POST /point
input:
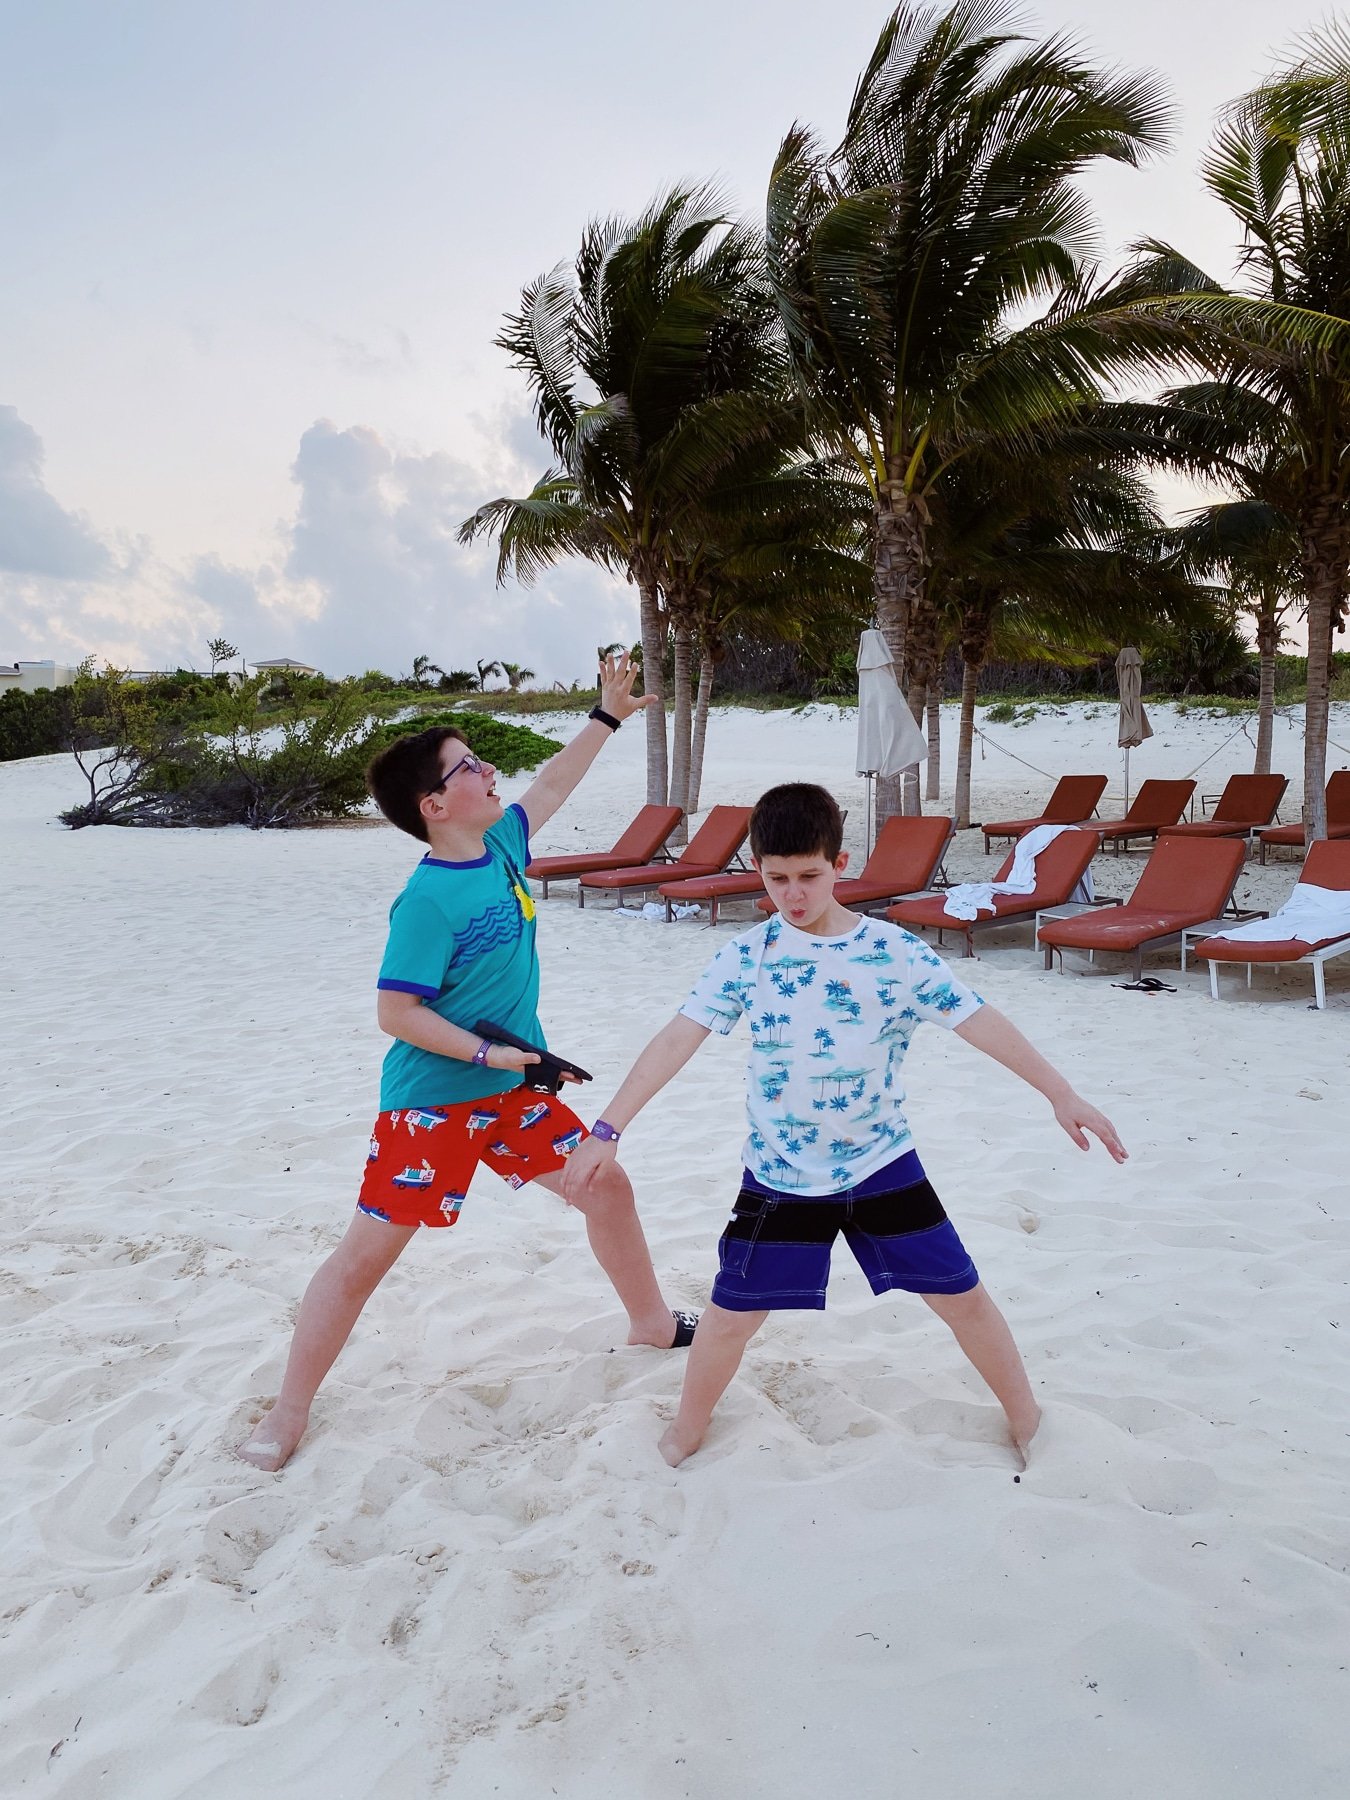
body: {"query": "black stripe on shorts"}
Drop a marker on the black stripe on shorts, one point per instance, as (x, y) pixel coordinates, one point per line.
(819, 1218)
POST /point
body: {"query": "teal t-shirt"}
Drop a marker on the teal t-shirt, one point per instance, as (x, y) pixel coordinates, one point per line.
(462, 936)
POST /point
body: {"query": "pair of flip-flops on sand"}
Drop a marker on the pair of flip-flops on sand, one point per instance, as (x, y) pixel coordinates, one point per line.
(1146, 984)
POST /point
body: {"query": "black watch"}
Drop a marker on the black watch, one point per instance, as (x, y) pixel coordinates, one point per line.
(605, 718)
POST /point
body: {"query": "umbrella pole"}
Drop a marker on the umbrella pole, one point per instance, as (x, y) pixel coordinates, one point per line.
(869, 778)
(1127, 777)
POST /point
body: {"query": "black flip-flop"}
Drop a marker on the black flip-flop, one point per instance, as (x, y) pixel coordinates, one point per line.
(1146, 984)
(686, 1324)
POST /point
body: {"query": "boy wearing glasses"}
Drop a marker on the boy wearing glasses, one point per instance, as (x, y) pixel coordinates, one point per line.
(461, 948)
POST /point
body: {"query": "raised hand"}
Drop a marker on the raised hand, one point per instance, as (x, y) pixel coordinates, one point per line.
(617, 676)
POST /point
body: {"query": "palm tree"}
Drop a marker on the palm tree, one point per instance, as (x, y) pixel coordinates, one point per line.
(423, 669)
(1255, 549)
(1273, 415)
(1052, 555)
(515, 673)
(640, 360)
(484, 670)
(904, 262)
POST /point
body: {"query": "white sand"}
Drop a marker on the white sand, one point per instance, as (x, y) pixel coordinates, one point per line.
(477, 1578)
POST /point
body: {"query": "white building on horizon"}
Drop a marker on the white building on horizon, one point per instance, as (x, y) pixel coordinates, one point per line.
(28, 677)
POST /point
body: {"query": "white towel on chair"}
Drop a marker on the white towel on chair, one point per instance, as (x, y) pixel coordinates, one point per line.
(974, 897)
(1310, 915)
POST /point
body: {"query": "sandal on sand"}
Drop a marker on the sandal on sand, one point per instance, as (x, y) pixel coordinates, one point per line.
(1146, 984)
(686, 1323)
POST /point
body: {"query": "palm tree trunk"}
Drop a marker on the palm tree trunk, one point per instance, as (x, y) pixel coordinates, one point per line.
(1326, 555)
(975, 633)
(1267, 637)
(897, 581)
(682, 747)
(923, 639)
(932, 785)
(706, 670)
(653, 655)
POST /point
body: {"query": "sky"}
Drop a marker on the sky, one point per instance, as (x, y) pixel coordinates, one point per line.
(256, 254)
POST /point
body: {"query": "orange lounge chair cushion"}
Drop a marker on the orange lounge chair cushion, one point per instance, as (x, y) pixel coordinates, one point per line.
(1117, 928)
(1070, 804)
(649, 875)
(1212, 828)
(713, 887)
(578, 863)
(1220, 949)
(1293, 834)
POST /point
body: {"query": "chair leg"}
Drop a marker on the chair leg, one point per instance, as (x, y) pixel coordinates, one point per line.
(1049, 956)
(1213, 980)
(1319, 985)
(1139, 965)
(581, 893)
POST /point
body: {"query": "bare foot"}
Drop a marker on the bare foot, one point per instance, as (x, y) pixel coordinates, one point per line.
(1023, 1431)
(274, 1439)
(658, 1332)
(675, 1445)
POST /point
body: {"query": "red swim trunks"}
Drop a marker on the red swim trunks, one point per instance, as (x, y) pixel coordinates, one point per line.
(422, 1159)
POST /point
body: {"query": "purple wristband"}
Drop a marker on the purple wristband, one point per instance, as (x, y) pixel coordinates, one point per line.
(606, 1133)
(482, 1053)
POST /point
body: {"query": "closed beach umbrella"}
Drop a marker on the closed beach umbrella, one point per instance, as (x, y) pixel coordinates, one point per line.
(1134, 726)
(888, 738)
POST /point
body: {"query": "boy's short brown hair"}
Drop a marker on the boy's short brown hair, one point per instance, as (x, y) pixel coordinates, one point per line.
(796, 819)
(401, 775)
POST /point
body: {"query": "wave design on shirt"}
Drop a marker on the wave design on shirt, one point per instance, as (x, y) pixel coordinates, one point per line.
(493, 929)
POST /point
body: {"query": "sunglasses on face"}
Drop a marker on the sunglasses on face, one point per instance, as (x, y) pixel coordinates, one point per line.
(468, 761)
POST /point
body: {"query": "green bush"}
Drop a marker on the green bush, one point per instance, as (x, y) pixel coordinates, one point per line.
(510, 748)
(34, 724)
(144, 767)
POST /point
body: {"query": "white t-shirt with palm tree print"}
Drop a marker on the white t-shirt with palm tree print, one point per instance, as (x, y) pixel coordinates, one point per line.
(830, 1021)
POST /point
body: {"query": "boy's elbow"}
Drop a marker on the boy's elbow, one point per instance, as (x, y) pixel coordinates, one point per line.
(392, 1010)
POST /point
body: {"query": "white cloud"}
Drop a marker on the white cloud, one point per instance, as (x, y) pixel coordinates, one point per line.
(367, 574)
(37, 535)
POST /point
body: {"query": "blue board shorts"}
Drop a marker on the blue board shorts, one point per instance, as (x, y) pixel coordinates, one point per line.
(775, 1252)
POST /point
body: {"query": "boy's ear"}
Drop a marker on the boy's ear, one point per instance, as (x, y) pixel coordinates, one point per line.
(841, 862)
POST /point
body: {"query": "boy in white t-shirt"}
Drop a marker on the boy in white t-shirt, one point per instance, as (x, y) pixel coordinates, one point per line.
(832, 1001)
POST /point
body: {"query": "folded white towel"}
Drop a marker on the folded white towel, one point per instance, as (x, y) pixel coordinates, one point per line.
(1309, 915)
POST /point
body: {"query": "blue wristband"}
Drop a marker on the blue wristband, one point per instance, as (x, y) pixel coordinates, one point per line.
(482, 1053)
(606, 1133)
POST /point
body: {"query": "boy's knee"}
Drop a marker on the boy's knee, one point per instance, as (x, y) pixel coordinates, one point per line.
(720, 1321)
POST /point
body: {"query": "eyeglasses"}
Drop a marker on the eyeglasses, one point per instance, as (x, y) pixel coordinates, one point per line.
(468, 761)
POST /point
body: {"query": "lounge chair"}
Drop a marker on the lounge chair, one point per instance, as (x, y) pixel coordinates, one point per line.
(1156, 805)
(708, 852)
(1073, 801)
(1326, 865)
(1183, 883)
(1246, 804)
(1338, 818)
(1059, 869)
(905, 859)
(643, 839)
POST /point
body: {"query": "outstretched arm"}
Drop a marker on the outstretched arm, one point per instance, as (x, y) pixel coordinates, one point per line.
(989, 1030)
(663, 1058)
(562, 772)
